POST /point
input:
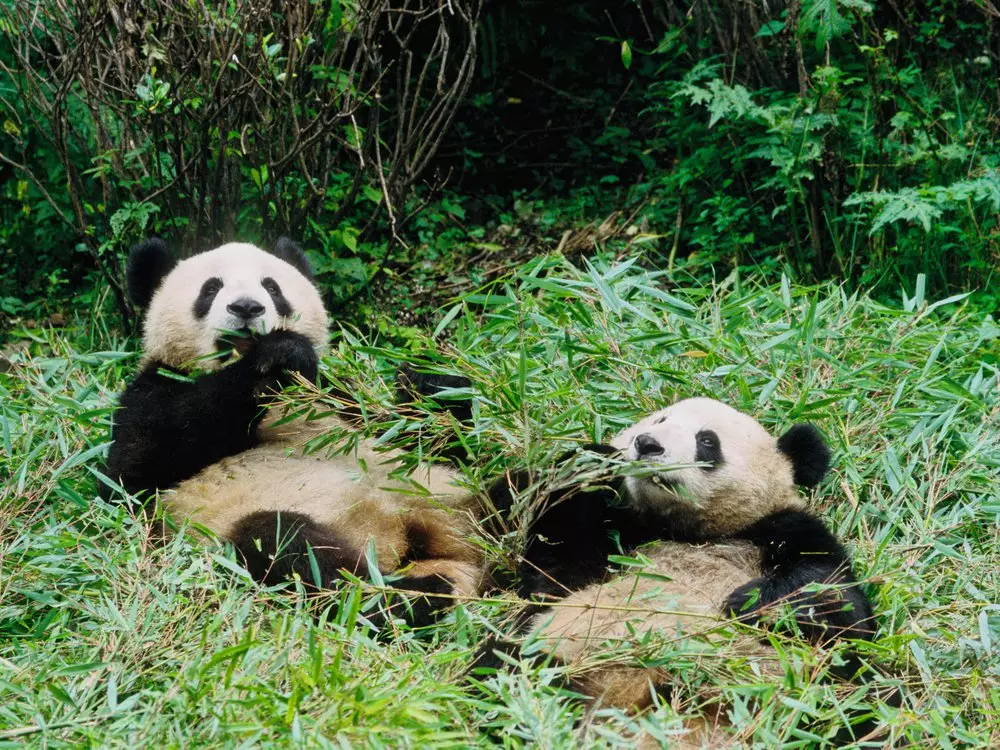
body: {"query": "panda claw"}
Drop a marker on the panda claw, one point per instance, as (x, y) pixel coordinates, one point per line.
(280, 352)
(744, 603)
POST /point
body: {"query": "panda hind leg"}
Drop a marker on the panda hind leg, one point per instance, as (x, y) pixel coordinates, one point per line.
(440, 563)
(278, 546)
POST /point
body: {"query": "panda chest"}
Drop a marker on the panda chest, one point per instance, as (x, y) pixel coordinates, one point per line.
(680, 592)
(690, 581)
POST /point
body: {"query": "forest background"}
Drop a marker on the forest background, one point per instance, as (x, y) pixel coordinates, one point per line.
(824, 140)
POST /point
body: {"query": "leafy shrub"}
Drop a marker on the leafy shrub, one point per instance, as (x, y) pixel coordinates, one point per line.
(204, 120)
(822, 138)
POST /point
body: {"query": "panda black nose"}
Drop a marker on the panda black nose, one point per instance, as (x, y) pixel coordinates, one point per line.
(647, 445)
(246, 308)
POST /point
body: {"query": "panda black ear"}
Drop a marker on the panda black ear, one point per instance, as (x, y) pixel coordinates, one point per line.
(291, 253)
(148, 263)
(806, 449)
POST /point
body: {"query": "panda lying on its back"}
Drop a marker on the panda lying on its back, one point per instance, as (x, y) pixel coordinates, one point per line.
(208, 444)
(718, 495)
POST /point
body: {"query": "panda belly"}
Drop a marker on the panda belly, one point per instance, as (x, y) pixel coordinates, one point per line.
(678, 597)
(353, 494)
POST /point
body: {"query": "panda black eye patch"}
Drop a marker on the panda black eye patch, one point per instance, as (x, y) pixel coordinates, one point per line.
(206, 296)
(708, 450)
(281, 305)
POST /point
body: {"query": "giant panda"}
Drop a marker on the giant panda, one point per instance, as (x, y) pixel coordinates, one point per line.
(709, 500)
(223, 330)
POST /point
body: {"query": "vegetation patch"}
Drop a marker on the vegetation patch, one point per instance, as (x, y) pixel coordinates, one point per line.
(113, 639)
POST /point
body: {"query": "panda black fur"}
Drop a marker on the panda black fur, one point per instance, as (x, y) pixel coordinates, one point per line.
(247, 319)
(717, 498)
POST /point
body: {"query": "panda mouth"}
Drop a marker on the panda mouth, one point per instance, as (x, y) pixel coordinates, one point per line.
(665, 482)
(235, 342)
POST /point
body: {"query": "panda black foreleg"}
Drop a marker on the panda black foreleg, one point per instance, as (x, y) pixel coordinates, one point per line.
(169, 426)
(569, 539)
(799, 552)
(411, 385)
(279, 546)
(824, 615)
(271, 360)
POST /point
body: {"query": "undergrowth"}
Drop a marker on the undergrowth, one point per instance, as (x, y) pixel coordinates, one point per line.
(108, 638)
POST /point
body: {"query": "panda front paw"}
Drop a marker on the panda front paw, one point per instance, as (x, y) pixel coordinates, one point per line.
(821, 616)
(746, 602)
(280, 353)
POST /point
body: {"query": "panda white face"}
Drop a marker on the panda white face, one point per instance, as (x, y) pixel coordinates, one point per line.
(235, 288)
(714, 468)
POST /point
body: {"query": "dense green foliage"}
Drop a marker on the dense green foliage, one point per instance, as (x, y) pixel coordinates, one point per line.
(107, 638)
(842, 138)
(817, 138)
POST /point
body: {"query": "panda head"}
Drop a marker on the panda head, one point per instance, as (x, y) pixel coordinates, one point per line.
(712, 470)
(194, 306)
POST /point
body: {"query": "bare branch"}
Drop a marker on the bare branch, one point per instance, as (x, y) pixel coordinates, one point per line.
(231, 116)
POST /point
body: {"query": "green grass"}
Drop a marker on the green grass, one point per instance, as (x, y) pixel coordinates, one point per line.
(109, 639)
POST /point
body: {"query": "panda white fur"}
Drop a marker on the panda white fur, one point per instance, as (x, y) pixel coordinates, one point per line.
(717, 497)
(223, 330)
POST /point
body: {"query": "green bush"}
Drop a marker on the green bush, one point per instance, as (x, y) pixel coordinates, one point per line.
(824, 139)
(204, 122)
